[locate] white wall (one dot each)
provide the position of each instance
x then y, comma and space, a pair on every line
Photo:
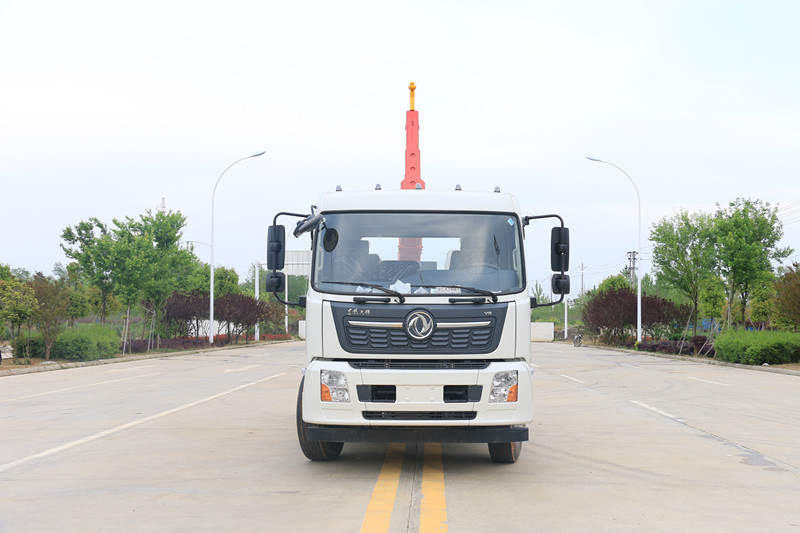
542, 331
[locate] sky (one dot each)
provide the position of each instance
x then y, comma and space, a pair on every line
106, 108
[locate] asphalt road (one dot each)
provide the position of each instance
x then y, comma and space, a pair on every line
206, 442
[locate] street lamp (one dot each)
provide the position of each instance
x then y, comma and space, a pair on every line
211, 328
639, 253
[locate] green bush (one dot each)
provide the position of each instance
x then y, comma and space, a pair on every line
731, 346
108, 342
35, 344
758, 347
86, 344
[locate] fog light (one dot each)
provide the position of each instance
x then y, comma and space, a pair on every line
504, 387
333, 386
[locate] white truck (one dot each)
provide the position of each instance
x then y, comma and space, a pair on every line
417, 319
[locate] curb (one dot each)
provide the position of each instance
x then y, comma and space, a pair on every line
50, 366
702, 360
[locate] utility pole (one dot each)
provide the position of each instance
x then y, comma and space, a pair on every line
632, 266
582, 267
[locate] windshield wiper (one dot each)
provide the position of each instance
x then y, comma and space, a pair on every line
364, 299
473, 290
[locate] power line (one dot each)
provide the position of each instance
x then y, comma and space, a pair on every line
787, 206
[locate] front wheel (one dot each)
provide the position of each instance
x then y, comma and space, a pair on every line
316, 450
505, 452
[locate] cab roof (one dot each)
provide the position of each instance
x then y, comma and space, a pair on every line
418, 200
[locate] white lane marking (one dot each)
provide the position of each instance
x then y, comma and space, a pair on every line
78, 387
106, 433
712, 382
655, 410
571, 379
534, 366
629, 366
227, 370
127, 369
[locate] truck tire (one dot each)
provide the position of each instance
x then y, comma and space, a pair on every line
316, 450
505, 452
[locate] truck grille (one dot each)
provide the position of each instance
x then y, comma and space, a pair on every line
457, 329
420, 415
449, 340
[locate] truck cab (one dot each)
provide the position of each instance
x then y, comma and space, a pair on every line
417, 320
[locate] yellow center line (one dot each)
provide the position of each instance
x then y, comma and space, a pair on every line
381, 505
433, 512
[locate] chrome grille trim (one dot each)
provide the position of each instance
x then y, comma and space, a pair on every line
451, 325
364, 324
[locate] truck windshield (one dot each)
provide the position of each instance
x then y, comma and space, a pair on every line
418, 254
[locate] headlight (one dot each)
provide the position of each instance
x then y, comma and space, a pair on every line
333, 386
504, 387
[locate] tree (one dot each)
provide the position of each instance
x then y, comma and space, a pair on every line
619, 281
5, 272
128, 256
655, 285
184, 313
22, 274
762, 302
17, 304
169, 266
90, 245
242, 312
539, 294
78, 304
50, 316
787, 295
226, 281
662, 317
712, 298
683, 255
747, 234
613, 313
148, 265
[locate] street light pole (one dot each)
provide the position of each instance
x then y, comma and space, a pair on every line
639, 252
211, 327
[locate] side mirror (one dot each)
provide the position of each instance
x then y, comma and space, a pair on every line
276, 247
559, 284
559, 250
276, 282
307, 225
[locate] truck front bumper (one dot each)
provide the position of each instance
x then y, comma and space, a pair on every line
434, 434
420, 407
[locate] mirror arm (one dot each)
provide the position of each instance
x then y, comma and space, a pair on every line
548, 304
526, 220
301, 303
298, 215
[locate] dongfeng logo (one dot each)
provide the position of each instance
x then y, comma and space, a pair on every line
419, 325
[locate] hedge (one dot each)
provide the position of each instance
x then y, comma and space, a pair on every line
758, 347
33, 346
86, 344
